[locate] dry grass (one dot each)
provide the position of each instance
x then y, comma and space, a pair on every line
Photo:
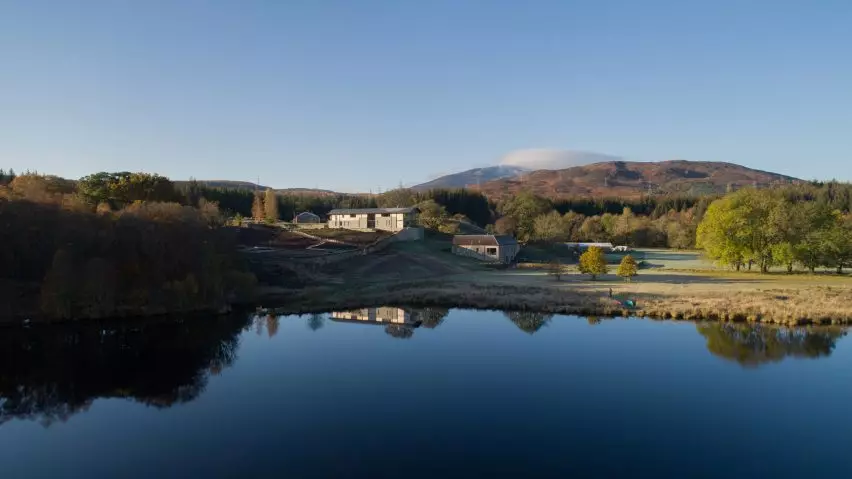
812, 305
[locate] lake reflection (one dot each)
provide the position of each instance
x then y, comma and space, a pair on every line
50, 372
479, 393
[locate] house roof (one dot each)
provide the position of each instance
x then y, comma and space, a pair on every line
483, 240
363, 211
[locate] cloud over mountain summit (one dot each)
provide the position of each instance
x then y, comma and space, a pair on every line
553, 159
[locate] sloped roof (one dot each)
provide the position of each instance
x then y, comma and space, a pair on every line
364, 211
483, 240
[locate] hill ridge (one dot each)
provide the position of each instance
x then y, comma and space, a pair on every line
633, 179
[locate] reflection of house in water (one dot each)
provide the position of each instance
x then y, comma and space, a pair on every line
383, 315
398, 322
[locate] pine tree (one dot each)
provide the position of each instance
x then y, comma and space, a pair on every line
593, 262
258, 212
270, 203
628, 268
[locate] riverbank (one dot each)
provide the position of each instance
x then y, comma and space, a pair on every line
670, 296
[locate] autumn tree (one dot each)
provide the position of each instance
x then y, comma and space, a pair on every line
571, 223
258, 211
593, 262
270, 206
549, 227
628, 268
506, 226
593, 229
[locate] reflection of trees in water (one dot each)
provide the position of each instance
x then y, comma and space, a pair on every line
593, 320
528, 321
755, 344
400, 331
430, 317
316, 321
52, 372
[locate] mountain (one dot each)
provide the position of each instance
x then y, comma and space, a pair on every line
625, 179
472, 177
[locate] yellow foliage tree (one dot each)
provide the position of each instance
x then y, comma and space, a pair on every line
270, 206
593, 262
258, 212
628, 268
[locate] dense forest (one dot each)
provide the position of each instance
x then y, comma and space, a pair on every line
110, 245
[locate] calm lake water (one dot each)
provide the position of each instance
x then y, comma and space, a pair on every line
424, 394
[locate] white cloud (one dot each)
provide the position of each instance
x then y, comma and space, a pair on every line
552, 159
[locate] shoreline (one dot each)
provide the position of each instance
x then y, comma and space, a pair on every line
791, 308
799, 306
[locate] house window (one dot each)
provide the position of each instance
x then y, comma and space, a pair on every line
351, 216
492, 251
385, 214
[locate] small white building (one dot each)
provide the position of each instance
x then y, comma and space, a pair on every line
495, 248
385, 219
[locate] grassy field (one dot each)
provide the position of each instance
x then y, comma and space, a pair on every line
678, 285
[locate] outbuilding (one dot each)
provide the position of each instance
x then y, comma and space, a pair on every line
306, 217
494, 248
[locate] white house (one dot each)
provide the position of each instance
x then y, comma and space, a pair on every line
386, 219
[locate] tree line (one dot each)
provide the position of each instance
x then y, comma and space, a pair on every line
785, 227
112, 245
6, 177
648, 222
532, 218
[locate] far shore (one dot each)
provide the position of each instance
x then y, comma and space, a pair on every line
672, 295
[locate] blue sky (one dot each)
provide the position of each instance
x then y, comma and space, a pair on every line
361, 95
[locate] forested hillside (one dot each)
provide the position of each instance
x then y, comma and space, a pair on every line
632, 180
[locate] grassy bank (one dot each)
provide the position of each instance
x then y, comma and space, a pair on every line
815, 304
